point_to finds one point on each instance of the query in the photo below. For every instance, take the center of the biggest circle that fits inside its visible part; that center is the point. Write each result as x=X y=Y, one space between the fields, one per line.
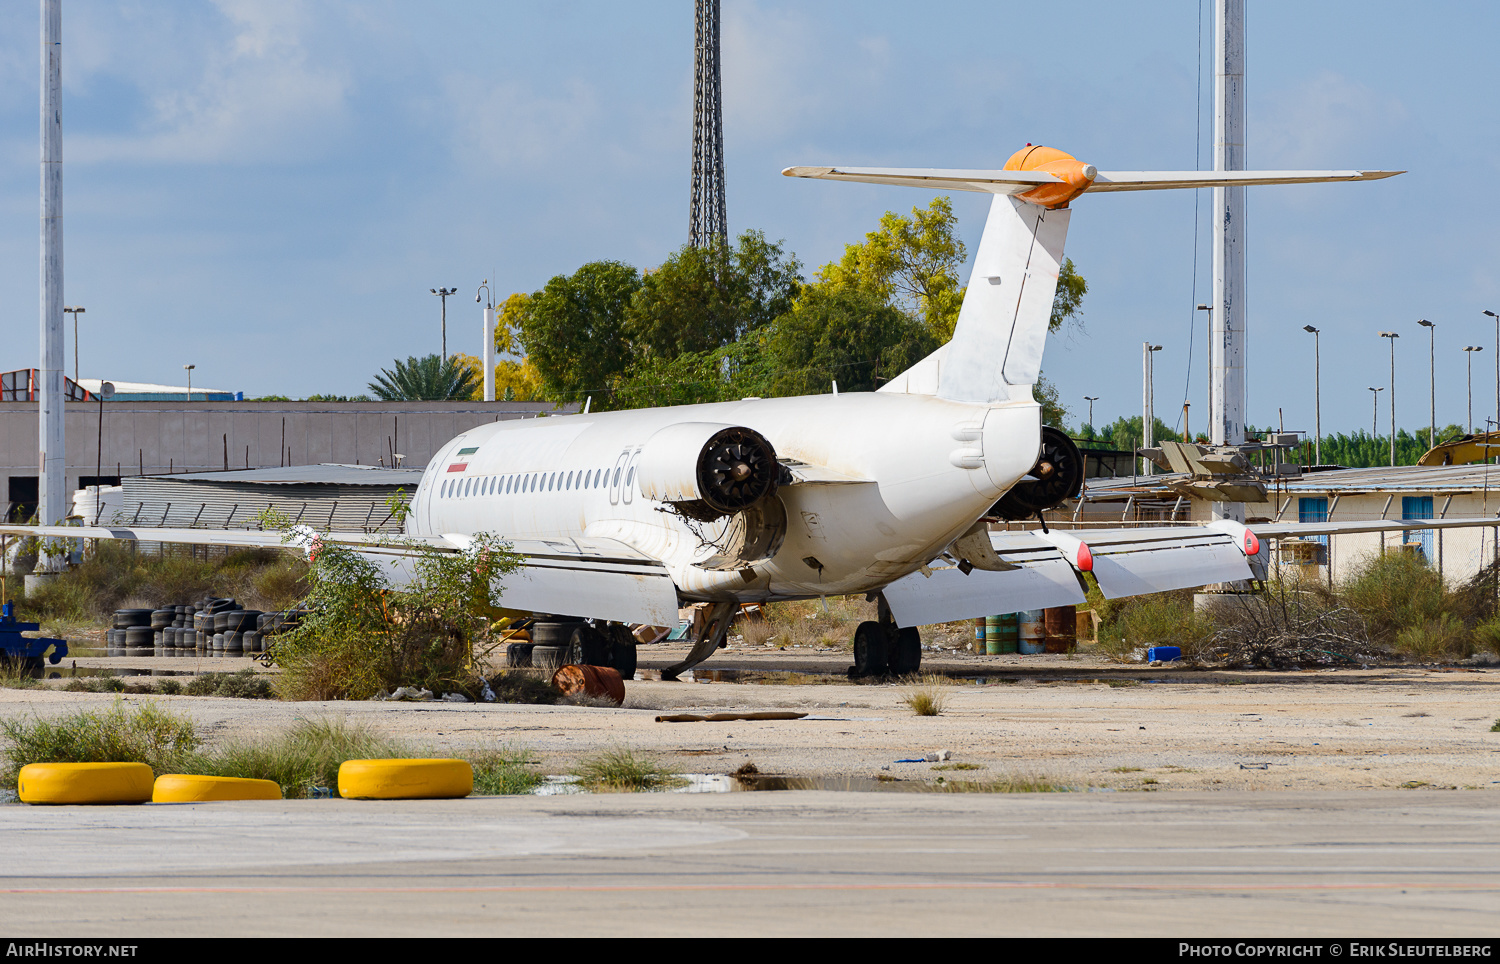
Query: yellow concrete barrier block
x=85 y=783
x=405 y=779
x=191 y=788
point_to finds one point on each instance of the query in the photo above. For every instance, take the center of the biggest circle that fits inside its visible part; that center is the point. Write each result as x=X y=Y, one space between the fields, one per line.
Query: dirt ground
x=1078 y=721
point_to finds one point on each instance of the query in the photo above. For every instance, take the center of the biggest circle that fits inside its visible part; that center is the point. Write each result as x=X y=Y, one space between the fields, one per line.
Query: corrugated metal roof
x=1400 y=478
x=347 y=497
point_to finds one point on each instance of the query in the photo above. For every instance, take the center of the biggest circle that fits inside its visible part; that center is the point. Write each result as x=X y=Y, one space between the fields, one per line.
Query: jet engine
x=723 y=479
x=707 y=470
x=1056 y=477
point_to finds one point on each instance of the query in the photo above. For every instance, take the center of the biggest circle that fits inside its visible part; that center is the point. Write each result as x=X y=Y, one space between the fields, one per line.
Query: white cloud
x=259 y=95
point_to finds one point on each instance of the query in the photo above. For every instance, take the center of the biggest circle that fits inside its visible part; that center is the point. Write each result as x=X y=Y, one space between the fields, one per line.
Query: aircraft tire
x=622 y=657
x=85 y=783
x=547 y=658
x=906 y=652
x=871 y=650
x=519 y=654
x=405 y=779
x=586 y=647
x=192 y=788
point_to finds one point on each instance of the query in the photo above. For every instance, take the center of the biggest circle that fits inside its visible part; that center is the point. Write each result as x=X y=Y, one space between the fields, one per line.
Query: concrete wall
x=158 y=437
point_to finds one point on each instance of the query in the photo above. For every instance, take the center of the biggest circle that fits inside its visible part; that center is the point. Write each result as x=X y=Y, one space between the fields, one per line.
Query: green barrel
x=1000 y=634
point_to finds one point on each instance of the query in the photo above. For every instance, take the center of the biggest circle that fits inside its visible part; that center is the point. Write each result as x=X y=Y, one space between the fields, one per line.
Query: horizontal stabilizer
x=1042 y=578
x=1133 y=562
x=1020 y=182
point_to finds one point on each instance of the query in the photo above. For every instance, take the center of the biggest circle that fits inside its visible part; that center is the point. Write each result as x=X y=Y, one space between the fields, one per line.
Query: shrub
x=146 y=734
x=243 y=684
x=306 y=756
x=364 y=635
x=1161 y=619
x=1394 y=592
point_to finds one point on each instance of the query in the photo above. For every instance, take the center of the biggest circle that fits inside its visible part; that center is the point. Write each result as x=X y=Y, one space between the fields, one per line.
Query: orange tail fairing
x=1075 y=175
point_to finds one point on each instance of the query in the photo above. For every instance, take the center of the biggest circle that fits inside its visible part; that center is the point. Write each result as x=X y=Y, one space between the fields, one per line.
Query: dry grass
x=1009 y=783
x=927 y=695
x=806 y=622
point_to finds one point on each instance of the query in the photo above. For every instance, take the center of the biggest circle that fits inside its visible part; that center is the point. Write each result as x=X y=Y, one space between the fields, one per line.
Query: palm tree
x=426 y=379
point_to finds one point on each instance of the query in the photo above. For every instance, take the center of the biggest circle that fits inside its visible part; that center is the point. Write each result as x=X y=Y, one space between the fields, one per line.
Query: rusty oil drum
x=598 y=681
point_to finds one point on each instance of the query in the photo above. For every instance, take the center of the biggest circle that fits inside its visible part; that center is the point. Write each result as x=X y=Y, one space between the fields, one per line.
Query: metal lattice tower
x=707 y=219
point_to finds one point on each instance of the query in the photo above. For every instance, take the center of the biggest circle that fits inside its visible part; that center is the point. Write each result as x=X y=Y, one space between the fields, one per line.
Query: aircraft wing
x=595 y=578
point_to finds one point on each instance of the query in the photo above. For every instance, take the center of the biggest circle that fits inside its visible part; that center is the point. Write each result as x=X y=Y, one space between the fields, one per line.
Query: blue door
x=1418 y=507
x=1313 y=510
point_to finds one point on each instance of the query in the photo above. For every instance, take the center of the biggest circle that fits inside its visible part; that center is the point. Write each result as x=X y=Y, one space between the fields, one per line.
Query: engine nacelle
x=707 y=470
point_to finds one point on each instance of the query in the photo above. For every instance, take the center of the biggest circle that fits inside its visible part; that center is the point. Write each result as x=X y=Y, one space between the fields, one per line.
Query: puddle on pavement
x=726 y=783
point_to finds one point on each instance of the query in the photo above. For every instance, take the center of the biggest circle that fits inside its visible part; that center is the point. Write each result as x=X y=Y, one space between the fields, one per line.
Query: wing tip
x=806 y=171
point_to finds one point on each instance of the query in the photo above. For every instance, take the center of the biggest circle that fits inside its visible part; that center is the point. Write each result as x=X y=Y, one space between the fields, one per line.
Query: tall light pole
x=1091 y=399
x=52 y=501
x=1226 y=416
x=487 y=339
x=1469 y=351
x=1148 y=402
x=443 y=293
x=1392 y=397
x=1317 y=394
x=1431 y=380
x=1497 y=373
x=75 y=311
x=189 y=370
x=1375 y=411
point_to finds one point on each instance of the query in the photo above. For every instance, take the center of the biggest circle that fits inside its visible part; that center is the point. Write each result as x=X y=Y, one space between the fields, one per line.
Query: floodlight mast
x=1317 y=394
x=52 y=492
x=1226 y=419
x=487 y=338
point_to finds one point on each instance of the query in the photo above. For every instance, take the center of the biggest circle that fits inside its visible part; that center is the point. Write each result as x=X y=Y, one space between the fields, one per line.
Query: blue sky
x=268 y=190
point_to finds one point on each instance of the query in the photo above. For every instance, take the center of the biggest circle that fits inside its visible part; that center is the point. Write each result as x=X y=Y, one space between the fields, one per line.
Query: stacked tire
x=556 y=643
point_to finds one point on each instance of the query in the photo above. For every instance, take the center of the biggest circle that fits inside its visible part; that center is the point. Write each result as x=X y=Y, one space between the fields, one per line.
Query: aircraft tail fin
x=996 y=351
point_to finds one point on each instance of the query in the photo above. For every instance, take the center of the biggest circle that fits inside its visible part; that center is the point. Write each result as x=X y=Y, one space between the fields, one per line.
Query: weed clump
x=146 y=734
x=624 y=771
x=1010 y=783
x=927 y=696
x=243 y=684
x=531 y=686
x=503 y=772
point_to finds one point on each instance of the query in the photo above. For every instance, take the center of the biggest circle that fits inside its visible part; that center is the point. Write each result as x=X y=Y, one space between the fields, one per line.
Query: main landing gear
x=881 y=648
x=556 y=642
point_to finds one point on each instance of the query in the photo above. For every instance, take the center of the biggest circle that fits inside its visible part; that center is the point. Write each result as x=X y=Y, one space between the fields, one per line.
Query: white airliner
x=621 y=517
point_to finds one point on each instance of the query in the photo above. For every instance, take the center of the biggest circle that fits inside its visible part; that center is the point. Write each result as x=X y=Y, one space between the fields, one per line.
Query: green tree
x=911 y=263
x=423 y=379
x=573 y=330
x=842 y=335
x=704 y=298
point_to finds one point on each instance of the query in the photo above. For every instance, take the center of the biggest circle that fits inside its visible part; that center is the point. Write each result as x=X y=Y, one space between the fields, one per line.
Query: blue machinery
x=28 y=651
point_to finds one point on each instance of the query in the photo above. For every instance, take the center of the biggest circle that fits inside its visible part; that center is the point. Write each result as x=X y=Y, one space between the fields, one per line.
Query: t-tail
x=996 y=351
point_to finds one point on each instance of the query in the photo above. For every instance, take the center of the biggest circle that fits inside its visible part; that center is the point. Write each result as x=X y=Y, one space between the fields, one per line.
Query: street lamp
x=1392 y=397
x=1431 y=380
x=1317 y=394
x=1148 y=401
x=1469 y=351
x=1374 y=409
x=443 y=293
x=75 y=311
x=1091 y=399
x=189 y=370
